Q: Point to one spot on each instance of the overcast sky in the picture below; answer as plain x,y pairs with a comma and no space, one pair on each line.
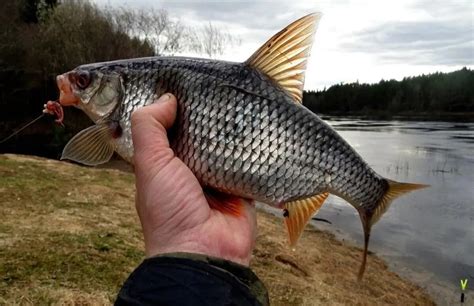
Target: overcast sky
356,40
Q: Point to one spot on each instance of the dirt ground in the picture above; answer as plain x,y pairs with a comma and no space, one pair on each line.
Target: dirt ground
69,235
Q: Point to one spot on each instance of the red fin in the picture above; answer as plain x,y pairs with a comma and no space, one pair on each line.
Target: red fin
223,202
298,213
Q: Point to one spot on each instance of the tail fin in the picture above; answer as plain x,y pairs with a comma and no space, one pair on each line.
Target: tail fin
369,218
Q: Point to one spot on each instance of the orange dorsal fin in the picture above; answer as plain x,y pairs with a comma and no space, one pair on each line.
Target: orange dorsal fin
284,56
223,202
298,213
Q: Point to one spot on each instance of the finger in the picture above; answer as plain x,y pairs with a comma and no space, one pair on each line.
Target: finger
149,135
153,120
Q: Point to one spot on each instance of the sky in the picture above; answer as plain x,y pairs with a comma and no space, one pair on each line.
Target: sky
356,40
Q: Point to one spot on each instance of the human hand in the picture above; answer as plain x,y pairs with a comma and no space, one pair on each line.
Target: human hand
171,205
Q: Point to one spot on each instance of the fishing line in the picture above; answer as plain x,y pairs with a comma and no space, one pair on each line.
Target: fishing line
24,127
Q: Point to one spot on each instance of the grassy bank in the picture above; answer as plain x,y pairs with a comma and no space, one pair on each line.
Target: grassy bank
69,235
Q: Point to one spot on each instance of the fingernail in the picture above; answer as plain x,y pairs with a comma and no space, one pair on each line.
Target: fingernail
163,98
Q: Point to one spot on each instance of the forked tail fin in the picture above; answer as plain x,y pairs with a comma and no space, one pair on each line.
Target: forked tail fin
369,218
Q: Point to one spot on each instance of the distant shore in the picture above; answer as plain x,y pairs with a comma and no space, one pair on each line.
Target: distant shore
404,116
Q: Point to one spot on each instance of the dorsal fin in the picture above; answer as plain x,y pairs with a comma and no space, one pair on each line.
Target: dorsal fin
284,56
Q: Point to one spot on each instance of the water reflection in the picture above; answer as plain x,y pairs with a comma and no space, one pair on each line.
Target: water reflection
429,231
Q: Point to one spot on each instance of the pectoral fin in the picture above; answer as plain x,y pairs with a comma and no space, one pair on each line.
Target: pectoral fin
92,146
298,213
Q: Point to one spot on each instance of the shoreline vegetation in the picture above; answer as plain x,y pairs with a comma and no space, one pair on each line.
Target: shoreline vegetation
431,96
70,235
44,38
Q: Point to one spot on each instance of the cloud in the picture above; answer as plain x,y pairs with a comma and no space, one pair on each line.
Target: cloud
444,37
251,21
263,15
364,40
443,9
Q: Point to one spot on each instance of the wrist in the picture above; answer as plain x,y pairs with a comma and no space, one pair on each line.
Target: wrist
199,245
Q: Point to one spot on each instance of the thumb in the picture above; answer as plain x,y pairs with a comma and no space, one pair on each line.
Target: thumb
149,134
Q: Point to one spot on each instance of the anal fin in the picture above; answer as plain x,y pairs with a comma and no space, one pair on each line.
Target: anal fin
298,213
223,202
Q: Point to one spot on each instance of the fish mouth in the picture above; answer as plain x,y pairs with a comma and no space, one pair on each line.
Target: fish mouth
66,94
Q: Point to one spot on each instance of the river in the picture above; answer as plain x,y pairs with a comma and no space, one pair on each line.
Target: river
428,235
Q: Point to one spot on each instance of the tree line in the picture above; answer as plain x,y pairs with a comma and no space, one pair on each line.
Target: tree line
40,39
437,93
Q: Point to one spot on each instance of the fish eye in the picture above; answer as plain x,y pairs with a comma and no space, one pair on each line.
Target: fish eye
82,79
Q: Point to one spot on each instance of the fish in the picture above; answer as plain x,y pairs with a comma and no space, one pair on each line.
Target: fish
241,128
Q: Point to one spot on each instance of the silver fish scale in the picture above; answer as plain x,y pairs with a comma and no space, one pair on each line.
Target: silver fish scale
242,134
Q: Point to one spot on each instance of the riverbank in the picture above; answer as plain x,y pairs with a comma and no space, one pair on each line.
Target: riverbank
70,235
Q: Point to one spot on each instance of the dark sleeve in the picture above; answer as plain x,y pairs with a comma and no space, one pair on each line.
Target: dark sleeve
191,279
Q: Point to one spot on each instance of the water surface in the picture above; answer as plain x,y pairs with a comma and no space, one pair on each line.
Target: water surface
428,235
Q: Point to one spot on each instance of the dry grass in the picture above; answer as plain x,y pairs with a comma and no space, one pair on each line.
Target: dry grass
322,270
69,235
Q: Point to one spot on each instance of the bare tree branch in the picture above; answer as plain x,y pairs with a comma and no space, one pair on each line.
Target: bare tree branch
212,40
169,36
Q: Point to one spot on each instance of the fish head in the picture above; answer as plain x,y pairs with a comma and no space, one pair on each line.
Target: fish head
95,92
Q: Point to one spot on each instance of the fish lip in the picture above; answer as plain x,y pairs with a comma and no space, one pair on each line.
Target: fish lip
66,93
